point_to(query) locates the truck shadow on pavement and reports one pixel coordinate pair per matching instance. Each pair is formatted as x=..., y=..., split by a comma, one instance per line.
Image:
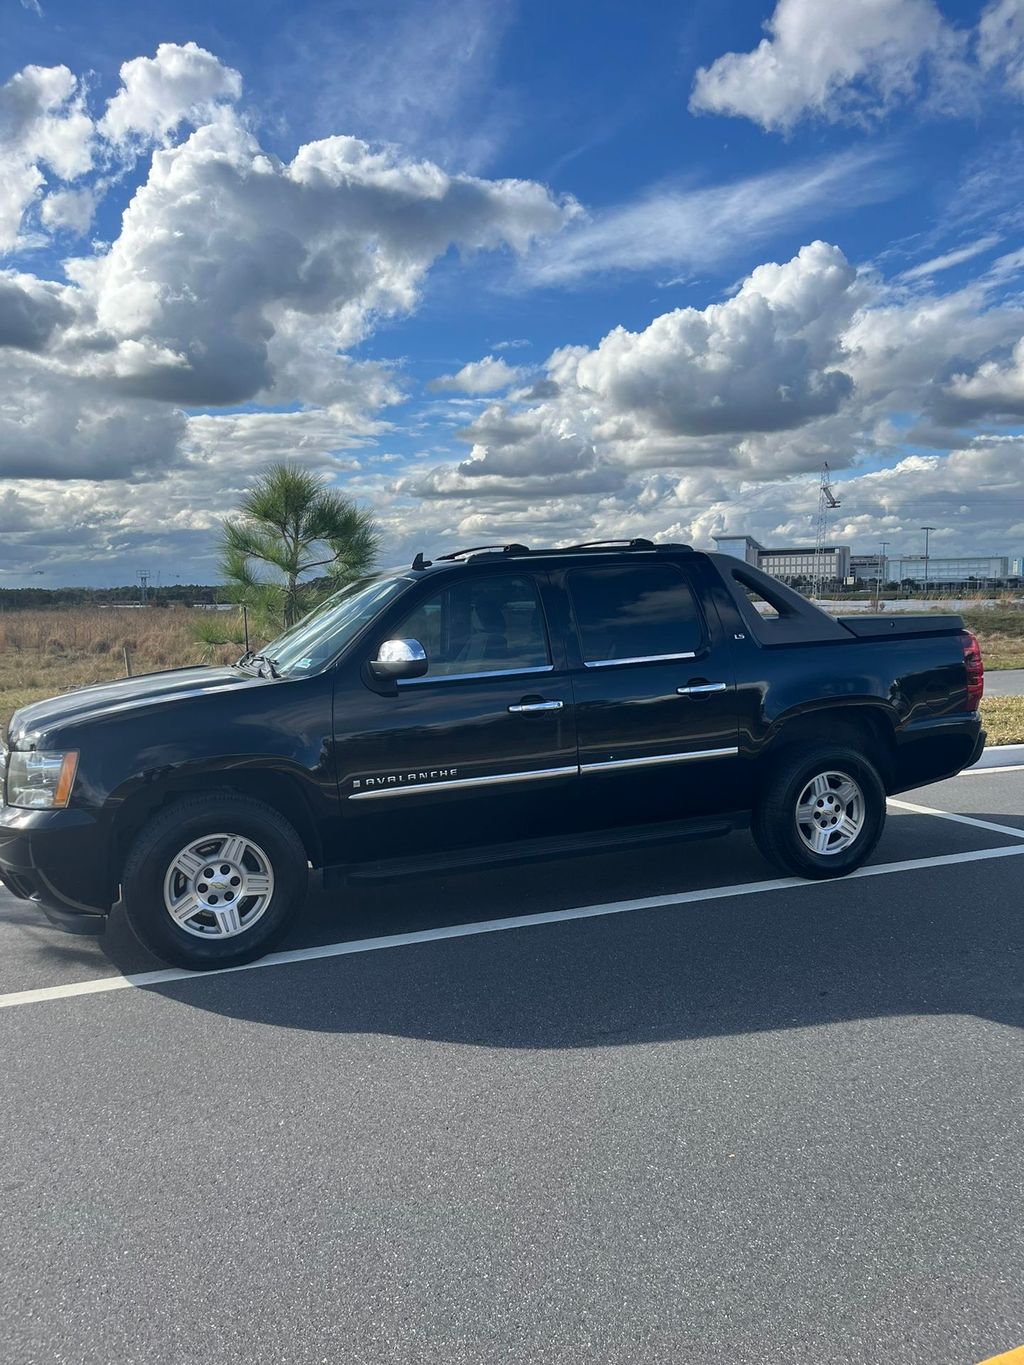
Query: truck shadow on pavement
x=935, y=941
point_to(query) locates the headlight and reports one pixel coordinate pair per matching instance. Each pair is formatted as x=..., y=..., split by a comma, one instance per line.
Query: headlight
x=40, y=780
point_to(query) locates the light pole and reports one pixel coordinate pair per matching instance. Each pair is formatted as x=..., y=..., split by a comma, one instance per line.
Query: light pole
x=926, y=530
x=881, y=571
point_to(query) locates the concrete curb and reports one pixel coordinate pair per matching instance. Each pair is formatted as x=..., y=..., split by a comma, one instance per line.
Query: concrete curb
x=1000, y=755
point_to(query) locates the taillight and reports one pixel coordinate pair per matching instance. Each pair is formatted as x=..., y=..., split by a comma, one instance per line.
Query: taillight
x=975, y=669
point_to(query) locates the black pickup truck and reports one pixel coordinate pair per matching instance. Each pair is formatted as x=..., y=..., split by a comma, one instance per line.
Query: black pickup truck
x=495, y=705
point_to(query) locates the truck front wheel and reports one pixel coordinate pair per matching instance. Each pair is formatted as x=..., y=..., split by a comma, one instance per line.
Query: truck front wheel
x=213, y=880
x=821, y=812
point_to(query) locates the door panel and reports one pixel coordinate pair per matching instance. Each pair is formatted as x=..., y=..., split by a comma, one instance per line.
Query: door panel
x=479, y=750
x=655, y=697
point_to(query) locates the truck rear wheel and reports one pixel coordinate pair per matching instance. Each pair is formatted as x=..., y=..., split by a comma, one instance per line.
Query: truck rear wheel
x=213, y=880
x=821, y=812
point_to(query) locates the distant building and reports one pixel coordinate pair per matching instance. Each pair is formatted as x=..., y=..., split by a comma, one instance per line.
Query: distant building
x=799, y=563
x=790, y=564
x=742, y=547
x=795, y=565
x=946, y=569
x=868, y=568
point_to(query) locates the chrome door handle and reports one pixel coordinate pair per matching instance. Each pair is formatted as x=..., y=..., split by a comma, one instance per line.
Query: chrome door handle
x=699, y=689
x=536, y=706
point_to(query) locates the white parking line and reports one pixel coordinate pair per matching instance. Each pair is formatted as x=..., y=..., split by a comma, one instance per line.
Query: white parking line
x=101, y=985
x=959, y=819
x=986, y=772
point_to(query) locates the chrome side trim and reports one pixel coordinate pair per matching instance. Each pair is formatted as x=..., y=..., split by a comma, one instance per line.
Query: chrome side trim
x=639, y=659
x=607, y=764
x=489, y=781
x=463, y=677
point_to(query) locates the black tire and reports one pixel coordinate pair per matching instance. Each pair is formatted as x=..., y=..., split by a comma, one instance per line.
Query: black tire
x=775, y=826
x=169, y=834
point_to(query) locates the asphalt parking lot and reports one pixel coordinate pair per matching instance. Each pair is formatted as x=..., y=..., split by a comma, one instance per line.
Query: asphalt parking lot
x=685, y=1112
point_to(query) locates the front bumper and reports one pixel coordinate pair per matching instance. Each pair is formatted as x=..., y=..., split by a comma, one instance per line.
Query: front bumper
x=53, y=858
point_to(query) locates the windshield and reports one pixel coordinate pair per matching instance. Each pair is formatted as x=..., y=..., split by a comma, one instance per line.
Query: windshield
x=317, y=638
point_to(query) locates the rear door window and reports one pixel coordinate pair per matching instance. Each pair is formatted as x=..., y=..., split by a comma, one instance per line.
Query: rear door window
x=629, y=613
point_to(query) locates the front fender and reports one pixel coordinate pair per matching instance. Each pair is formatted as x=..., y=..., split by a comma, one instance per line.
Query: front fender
x=284, y=726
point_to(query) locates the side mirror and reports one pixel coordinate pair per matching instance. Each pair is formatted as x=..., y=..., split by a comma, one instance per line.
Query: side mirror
x=399, y=659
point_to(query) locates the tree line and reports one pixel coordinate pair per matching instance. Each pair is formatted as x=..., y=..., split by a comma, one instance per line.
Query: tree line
x=184, y=594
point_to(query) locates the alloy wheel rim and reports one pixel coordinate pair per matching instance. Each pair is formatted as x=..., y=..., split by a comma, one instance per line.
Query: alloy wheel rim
x=830, y=813
x=218, y=886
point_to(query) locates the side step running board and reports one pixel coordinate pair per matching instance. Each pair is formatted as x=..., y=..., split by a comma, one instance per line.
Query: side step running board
x=531, y=850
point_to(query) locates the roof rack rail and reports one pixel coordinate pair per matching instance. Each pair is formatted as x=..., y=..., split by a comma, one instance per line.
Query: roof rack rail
x=512, y=549
x=637, y=543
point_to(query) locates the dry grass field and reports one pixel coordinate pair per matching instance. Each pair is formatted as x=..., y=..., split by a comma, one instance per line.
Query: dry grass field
x=1000, y=632
x=45, y=652
x=1004, y=719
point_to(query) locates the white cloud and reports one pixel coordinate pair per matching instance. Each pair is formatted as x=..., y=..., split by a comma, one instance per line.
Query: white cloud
x=973, y=493
x=414, y=72
x=20, y=183
x=903, y=351
x=69, y=209
x=925, y=269
x=182, y=83
x=241, y=444
x=718, y=419
x=48, y=139
x=1001, y=42
x=697, y=388
x=766, y=359
x=855, y=61
x=687, y=228
x=995, y=388
x=227, y=256
x=58, y=425
x=488, y=375
x=31, y=310
x=43, y=124
x=239, y=278
x=187, y=477
x=550, y=442
x=1004, y=268
x=53, y=527
x=188, y=474
x=235, y=277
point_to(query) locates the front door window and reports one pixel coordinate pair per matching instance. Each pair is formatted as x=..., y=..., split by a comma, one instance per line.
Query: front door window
x=481, y=625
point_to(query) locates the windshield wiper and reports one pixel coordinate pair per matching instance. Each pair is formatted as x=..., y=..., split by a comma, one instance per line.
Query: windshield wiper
x=250, y=659
x=270, y=663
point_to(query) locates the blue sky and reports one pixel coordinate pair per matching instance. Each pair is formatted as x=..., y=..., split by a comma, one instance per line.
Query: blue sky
x=505, y=269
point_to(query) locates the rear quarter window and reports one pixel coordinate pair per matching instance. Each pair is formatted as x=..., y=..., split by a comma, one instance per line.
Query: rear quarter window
x=773, y=613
